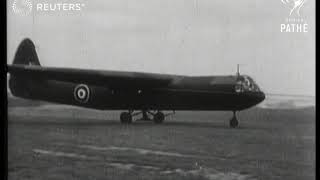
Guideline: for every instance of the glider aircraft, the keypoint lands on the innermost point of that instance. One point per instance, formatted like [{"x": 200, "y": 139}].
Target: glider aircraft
[{"x": 148, "y": 94}]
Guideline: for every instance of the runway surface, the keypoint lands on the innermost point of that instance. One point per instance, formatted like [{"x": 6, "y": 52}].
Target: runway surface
[{"x": 63, "y": 142}]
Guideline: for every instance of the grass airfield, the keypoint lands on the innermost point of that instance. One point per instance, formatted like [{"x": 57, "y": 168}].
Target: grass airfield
[{"x": 47, "y": 141}]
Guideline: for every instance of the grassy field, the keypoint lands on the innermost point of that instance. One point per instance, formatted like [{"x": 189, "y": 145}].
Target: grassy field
[{"x": 62, "y": 142}]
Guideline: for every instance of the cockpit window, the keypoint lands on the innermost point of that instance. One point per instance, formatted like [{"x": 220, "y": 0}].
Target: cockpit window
[{"x": 245, "y": 84}]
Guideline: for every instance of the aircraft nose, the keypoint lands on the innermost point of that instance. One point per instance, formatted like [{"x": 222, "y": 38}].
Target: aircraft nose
[{"x": 261, "y": 96}]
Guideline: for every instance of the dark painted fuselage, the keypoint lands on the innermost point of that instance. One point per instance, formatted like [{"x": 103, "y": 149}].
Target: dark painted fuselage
[
  {"x": 182, "y": 93},
  {"x": 100, "y": 89}
]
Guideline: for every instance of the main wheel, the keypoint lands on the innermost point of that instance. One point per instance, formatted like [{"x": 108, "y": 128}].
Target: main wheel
[
  {"x": 234, "y": 122},
  {"x": 125, "y": 118},
  {"x": 158, "y": 117},
  {"x": 145, "y": 116}
]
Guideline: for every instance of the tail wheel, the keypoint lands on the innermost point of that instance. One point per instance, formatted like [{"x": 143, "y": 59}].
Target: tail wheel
[
  {"x": 158, "y": 117},
  {"x": 125, "y": 118}
]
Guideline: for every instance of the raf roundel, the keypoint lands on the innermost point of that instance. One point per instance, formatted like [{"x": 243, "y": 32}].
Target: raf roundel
[{"x": 81, "y": 93}]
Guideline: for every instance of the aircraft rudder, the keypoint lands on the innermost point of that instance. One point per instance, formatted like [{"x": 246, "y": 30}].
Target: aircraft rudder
[{"x": 26, "y": 53}]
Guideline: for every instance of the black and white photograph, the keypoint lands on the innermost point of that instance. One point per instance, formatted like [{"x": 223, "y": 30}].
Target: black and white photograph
[{"x": 161, "y": 90}]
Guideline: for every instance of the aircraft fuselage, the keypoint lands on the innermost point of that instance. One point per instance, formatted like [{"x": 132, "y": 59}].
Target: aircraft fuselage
[{"x": 183, "y": 93}]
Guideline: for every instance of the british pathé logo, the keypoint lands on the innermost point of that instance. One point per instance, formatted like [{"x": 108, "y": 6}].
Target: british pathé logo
[
  {"x": 22, "y": 7},
  {"x": 294, "y": 23},
  {"x": 294, "y": 5}
]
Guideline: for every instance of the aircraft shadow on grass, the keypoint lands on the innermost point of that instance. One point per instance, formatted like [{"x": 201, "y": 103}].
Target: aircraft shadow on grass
[{"x": 42, "y": 121}]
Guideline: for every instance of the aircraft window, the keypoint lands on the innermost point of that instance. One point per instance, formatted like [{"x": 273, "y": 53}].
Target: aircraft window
[
  {"x": 238, "y": 87},
  {"x": 256, "y": 88},
  {"x": 245, "y": 83}
]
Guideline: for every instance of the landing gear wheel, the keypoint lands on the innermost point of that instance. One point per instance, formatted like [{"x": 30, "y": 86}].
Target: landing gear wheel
[
  {"x": 145, "y": 116},
  {"x": 158, "y": 118},
  {"x": 125, "y": 118},
  {"x": 234, "y": 122}
]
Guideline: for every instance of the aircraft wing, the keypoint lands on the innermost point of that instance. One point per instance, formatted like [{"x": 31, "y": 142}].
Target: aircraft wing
[{"x": 114, "y": 79}]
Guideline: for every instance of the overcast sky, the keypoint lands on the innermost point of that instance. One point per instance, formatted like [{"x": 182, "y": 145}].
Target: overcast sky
[{"x": 187, "y": 37}]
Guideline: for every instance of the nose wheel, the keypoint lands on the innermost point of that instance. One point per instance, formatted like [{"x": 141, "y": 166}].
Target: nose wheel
[
  {"x": 234, "y": 121},
  {"x": 126, "y": 118}
]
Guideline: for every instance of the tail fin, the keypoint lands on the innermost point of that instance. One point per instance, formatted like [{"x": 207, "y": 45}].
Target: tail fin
[{"x": 26, "y": 53}]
